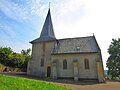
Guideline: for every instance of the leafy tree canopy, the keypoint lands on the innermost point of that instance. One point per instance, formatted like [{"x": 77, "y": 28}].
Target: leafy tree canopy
[
  {"x": 13, "y": 59},
  {"x": 113, "y": 62},
  {"x": 6, "y": 50}
]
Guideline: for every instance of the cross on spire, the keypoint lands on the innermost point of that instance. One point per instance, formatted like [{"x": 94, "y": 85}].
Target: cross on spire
[
  {"x": 47, "y": 33},
  {"x": 49, "y": 4}
]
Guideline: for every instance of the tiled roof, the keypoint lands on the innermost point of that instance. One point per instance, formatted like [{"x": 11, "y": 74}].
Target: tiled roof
[{"x": 76, "y": 45}]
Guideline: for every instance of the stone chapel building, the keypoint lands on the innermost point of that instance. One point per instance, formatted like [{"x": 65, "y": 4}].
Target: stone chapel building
[{"x": 76, "y": 58}]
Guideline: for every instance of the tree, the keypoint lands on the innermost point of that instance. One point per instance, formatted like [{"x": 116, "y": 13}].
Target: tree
[
  {"x": 113, "y": 62},
  {"x": 6, "y": 50},
  {"x": 4, "y": 54},
  {"x": 26, "y": 54},
  {"x": 15, "y": 60}
]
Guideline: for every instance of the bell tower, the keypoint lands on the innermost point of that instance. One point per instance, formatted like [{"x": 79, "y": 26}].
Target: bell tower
[{"x": 41, "y": 50}]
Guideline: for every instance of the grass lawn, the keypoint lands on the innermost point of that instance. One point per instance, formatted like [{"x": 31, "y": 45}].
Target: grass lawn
[
  {"x": 17, "y": 83},
  {"x": 1, "y": 64}
]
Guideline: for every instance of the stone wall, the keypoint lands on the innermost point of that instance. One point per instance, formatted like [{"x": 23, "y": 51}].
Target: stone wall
[
  {"x": 69, "y": 72},
  {"x": 74, "y": 70},
  {"x": 34, "y": 65}
]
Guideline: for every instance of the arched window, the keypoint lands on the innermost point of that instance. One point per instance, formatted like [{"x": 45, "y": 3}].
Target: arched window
[
  {"x": 42, "y": 62},
  {"x": 86, "y": 63},
  {"x": 64, "y": 64}
]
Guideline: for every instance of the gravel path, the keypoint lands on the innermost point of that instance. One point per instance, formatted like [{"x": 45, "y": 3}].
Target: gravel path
[{"x": 109, "y": 85}]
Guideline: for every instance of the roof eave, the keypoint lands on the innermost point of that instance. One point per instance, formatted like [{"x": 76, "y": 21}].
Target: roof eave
[
  {"x": 75, "y": 53},
  {"x": 39, "y": 41}
]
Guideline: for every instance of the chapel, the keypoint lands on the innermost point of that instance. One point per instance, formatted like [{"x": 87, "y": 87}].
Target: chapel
[{"x": 68, "y": 58}]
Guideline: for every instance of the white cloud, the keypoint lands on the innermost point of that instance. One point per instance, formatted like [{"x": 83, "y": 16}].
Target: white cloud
[
  {"x": 13, "y": 10},
  {"x": 101, "y": 17},
  {"x": 74, "y": 18},
  {"x": 17, "y": 46},
  {"x": 10, "y": 33}
]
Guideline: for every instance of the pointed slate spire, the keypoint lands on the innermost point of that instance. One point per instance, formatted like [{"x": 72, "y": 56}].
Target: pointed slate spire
[
  {"x": 47, "y": 33},
  {"x": 47, "y": 30}
]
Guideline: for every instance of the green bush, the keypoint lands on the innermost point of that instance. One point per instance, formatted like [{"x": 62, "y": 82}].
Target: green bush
[{"x": 13, "y": 59}]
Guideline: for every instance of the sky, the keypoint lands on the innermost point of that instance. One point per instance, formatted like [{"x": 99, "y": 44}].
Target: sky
[{"x": 21, "y": 21}]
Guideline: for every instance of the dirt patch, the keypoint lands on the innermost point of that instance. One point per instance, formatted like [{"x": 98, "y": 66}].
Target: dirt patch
[{"x": 8, "y": 69}]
